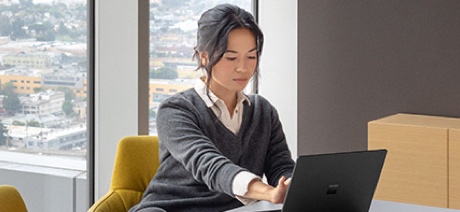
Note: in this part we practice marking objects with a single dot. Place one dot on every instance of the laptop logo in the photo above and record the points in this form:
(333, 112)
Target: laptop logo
(332, 189)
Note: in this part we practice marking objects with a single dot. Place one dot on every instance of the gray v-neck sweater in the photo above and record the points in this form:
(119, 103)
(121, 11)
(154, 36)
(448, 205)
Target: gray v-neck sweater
(200, 156)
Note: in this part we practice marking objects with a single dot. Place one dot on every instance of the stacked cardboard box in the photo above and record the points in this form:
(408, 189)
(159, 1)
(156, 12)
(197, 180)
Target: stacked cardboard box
(423, 160)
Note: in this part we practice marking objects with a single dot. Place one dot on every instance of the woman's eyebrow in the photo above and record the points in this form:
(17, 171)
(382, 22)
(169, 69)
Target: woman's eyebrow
(233, 51)
(254, 49)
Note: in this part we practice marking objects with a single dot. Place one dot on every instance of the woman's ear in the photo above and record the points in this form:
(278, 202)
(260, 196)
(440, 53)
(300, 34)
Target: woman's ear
(204, 58)
(203, 62)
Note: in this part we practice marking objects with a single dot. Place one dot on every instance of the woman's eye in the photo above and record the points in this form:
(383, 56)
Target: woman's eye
(252, 57)
(231, 58)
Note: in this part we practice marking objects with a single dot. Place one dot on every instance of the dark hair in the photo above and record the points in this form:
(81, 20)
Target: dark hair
(212, 36)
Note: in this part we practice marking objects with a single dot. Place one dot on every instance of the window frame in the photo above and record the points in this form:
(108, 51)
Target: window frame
(90, 151)
(125, 19)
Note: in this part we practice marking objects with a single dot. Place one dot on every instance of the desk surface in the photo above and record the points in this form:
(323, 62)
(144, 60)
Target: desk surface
(376, 206)
(385, 206)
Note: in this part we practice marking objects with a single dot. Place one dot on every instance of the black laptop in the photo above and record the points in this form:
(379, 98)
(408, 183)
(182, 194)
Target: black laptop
(337, 182)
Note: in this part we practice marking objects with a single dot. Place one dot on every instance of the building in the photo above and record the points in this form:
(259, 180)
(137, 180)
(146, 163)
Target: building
(24, 80)
(43, 103)
(160, 89)
(45, 140)
(75, 81)
(58, 139)
(32, 60)
(27, 80)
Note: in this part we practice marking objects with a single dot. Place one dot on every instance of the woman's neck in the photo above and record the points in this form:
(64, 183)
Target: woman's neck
(230, 98)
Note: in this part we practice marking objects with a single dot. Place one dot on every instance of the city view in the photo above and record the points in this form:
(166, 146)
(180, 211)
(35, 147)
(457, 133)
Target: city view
(43, 68)
(44, 89)
(43, 102)
(43, 76)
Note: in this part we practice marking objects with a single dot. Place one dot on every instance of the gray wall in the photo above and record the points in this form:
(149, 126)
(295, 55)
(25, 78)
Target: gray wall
(47, 189)
(359, 60)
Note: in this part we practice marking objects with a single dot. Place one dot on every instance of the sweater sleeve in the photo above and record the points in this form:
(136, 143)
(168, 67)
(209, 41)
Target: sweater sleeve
(178, 129)
(279, 161)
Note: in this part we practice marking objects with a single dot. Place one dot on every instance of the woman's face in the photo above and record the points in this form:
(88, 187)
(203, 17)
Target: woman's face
(234, 70)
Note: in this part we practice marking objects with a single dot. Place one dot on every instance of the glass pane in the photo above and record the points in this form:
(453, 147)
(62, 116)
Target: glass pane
(43, 102)
(173, 26)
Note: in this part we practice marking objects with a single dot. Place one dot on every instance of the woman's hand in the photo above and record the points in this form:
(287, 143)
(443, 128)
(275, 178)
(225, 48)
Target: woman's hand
(260, 191)
(279, 192)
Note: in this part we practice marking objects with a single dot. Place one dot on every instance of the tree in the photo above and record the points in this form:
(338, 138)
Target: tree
(67, 107)
(17, 29)
(48, 35)
(164, 73)
(18, 123)
(5, 26)
(62, 29)
(3, 134)
(38, 89)
(45, 31)
(33, 123)
(11, 101)
(69, 94)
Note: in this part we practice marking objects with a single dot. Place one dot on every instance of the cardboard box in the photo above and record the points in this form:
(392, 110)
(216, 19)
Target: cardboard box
(417, 166)
(454, 168)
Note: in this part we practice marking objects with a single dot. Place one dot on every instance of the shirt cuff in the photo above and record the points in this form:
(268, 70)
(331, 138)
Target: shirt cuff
(240, 186)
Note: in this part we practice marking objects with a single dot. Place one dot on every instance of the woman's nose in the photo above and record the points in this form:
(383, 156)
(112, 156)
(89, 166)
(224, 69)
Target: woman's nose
(241, 66)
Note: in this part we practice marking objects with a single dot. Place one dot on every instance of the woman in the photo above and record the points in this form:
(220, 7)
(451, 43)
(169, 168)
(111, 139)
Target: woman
(216, 143)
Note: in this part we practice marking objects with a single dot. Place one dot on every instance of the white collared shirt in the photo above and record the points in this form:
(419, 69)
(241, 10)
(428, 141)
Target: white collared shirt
(233, 123)
(219, 108)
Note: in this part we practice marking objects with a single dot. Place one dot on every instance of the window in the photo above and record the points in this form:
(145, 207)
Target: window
(44, 42)
(172, 38)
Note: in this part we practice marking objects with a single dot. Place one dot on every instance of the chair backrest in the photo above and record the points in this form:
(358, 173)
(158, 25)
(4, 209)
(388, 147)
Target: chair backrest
(136, 162)
(11, 200)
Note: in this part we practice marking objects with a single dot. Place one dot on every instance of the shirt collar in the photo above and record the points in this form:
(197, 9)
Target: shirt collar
(200, 88)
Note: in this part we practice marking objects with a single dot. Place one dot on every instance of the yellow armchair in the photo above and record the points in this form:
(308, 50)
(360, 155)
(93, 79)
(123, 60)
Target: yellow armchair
(11, 200)
(136, 162)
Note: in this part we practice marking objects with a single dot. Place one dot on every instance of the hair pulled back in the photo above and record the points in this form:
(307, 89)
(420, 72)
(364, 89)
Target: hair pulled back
(214, 26)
